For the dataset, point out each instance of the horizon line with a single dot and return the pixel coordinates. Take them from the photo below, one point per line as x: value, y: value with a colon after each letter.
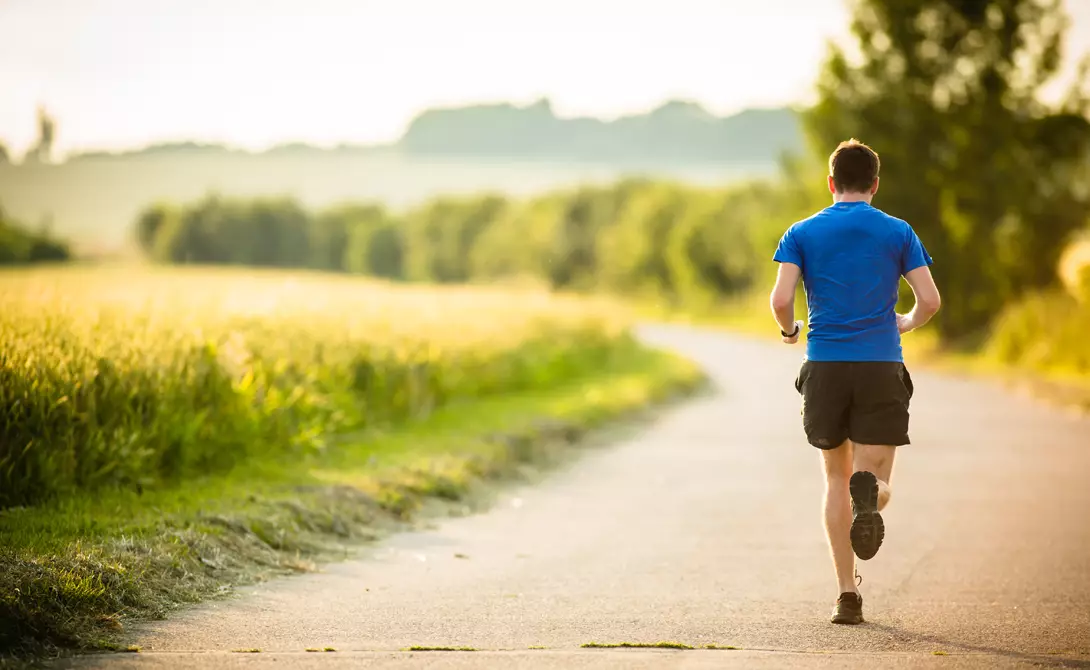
x: 197, y: 142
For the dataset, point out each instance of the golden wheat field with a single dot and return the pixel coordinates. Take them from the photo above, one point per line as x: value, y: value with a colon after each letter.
x: 136, y: 376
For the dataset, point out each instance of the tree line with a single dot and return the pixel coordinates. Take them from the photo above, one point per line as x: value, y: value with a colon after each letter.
x: 19, y: 245
x: 639, y: 237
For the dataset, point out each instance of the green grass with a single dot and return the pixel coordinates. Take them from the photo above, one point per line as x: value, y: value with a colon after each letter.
x: 652, y: 645
x: 440, y: 649
x: 636, y: 645
x: 75, y: 570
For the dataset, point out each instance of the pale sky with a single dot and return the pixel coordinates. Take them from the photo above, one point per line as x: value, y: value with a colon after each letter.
x: 252, y: 73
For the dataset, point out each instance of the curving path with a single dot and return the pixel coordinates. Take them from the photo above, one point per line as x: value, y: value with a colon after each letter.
x: 706, y: 529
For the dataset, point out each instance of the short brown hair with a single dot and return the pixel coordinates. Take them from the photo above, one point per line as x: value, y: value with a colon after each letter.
x: 854, y: 167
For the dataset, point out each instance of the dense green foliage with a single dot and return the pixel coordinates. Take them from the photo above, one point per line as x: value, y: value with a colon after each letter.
x: 994, y: 180
x: 1047, y: 330
x: 19, y: 246
x: 135, y: 379
x: 1044, y: 331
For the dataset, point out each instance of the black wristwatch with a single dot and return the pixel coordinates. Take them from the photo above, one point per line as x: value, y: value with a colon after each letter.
x: 797, y: 329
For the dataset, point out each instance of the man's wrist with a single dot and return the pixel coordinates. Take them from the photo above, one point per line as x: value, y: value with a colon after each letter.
x: 795, y: 330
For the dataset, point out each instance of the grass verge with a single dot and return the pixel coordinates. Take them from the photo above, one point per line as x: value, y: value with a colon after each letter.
x: 73, y: 572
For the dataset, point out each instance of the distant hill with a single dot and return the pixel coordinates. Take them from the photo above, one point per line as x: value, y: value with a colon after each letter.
x: 171, y: 150
x: 677, y: 131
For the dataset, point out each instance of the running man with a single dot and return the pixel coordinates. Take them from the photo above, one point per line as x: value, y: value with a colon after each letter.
x: 854, y: 385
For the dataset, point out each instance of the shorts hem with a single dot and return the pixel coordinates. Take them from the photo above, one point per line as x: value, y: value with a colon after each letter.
x: 902, y: 441
x: 825, y: 445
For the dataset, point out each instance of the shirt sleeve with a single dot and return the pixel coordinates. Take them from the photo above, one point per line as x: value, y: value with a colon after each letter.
x: 788, y: 250
x: 914, y: 255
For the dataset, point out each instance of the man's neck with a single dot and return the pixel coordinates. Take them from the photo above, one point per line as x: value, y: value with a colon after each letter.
x: 852, y: 197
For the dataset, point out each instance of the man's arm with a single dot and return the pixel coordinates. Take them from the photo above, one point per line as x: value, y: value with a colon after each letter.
x: 783, y: 299
x: 927, y: 300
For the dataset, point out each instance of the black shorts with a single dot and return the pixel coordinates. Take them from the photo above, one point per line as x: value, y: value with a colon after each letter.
x: 865, y: 401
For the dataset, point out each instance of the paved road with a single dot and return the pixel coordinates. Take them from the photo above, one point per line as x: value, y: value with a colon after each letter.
x: 706, y: 529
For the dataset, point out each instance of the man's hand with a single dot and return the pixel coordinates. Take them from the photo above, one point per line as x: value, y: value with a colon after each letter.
x: 794, y: 338
x: 904, y: 324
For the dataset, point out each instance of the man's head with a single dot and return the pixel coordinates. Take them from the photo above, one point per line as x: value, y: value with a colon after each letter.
x: 853, y: 171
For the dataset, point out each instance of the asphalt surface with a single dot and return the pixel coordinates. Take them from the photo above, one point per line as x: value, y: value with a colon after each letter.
x: 705, y: 528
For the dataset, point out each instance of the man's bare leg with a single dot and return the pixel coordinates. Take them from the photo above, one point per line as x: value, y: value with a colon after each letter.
x: 838, y: 513
x: 877, y: 459
x: 869, y: 491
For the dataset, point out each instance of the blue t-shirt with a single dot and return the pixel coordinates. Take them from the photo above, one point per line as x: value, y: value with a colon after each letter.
x: 852, y: 256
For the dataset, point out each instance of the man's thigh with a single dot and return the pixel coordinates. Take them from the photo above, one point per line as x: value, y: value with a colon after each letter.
x: 881, y: 393
x: 826, y: 390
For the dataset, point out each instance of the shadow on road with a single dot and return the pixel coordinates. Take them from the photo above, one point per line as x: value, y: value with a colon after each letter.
x: 1044, y: 660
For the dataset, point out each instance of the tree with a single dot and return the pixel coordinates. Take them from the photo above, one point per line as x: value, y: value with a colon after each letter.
x: 374, y: 241
x: 329, y: 239
x: 947, y: 92
x: 440, y: 235
x: 520, y: 243
x: 630, y: 257
x: 150, y: 222
x: 42, y: 152
x: 277, y: 229
x: 18, y: 245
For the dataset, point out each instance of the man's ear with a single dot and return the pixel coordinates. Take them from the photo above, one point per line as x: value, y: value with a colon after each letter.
x: 874, y: 186
x: 832, y: 186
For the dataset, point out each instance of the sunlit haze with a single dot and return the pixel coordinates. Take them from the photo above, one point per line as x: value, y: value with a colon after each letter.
x: 252, y: 73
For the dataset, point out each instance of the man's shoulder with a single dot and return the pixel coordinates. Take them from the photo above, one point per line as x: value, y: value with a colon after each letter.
x: 889, y: 218
x: 803, y: 224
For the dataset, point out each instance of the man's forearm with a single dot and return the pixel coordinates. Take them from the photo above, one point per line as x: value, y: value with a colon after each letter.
x: 785, y: 316
x: 782, y: 297
x: 918, y: 316
x: 928, y: 300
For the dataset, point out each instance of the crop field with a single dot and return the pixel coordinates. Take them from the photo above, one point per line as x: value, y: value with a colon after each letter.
x: 134, y: 378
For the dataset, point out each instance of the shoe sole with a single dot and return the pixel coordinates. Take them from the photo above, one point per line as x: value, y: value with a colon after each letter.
x: 868, y: 529
x: 848, y: 620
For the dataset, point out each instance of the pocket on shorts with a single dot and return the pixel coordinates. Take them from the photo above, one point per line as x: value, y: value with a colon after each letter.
x: 800, y: 378
x: 906, y: 379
